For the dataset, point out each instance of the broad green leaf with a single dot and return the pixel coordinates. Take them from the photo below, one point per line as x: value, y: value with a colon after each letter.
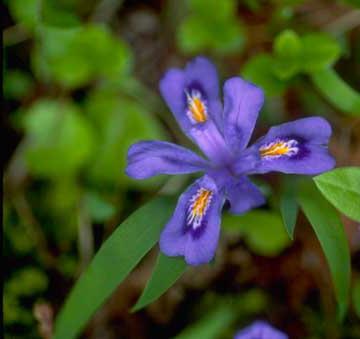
x: 166, y: 271
x: 341, y: 187
x: 215, y: 29
x: 287, y: 50
x: 259, y: 70
x: 119, y: 123
x: 98, y: 208
x: 59, y: 138
x: 211, y: 325
x: 225, y: 37
x: 263, y: 231
x: 331, y: 235
x: 319, y: 51
x: 340, y: 94
x: 356, y: 296
x: 73, y: 57
x: 119, y: 254
x: 26, y: 13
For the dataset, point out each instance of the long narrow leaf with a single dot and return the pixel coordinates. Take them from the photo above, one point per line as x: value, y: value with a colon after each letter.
x: 339, y: 93
x: 211, y: 325
x: 166, y: 271
x: 289, y: 211
x: 330, y: 232
x: 113, y: 262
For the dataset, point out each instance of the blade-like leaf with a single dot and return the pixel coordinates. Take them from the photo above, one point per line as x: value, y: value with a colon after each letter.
x: 339, y: 93
x: 113, y: 262
x: 330, y: 232
x: 211, y: 325
x: 289, y: 210
x: 166, y: 271
x: 341, y: 187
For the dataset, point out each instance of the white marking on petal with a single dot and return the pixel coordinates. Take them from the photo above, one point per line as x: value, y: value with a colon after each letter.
x: 199, y: 204
x: 197, y: 107
x: 279, y: 148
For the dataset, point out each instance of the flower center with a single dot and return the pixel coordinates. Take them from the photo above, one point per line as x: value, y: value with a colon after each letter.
x: 196, y: 106
x: 279, y: 148
x: 199, y: 204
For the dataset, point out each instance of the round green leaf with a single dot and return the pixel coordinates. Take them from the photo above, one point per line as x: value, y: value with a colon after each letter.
x: 59, y: 140
x: 259, y: 70
x: 341, y: 187
x: 263, y: 231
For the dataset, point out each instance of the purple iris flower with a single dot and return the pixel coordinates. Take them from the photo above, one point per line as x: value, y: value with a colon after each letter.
x: 222, y: 134
x: 260, y: 330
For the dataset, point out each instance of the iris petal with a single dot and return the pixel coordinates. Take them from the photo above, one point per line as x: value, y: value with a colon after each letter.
x: 260, y: 330
x: 194, y: 228
x: 242, y: 103
x: 243, y: 195
x: 297, y: 147
x: 149, y: 158
x: 193, y: 97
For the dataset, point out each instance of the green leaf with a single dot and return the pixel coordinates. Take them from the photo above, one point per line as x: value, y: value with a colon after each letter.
x: 166, y: 271
x: 260, y: 70
x: 119, y: 123
x: 289, y: 211
x: 320, y: 51
x: 330, y: 232
x: 287, y: 50
x: 211, y: 325
x: 288, y: 205
x: 223, y: 38
x: 73, y: 57
x: 26, y: 13
x: 340, y: 94
x: 263, y: 231
x: 59, y: 139
x: 341, y: 187
x: 119, y: 254
x: 98, y: 208
x: 215, y: 29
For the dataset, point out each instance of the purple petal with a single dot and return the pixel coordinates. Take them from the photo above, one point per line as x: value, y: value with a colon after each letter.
x: 295, y: 147
x: 260, y: 330
x: 193, y: 96
x: 194, y: 238
x: 148, y: 158
x: 199, y: 74
x: 243, y: 195
x: 242, y: 103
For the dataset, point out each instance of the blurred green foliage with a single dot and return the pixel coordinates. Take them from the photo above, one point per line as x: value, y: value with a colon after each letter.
x: 75, y: 104
x: 263, y: 231
x: 211, y: 25
x: 292, y: 55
